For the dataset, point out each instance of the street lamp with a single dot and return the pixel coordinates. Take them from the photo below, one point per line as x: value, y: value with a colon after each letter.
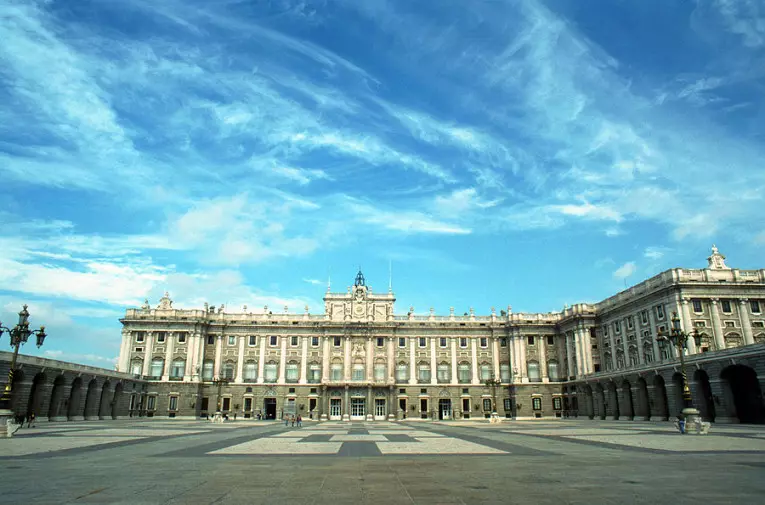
x: 19, y: 335
x: 679, y: 340
x: 493, y: 383
x: 220, y: 382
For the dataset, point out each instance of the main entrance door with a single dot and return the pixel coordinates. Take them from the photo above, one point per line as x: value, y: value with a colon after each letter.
x: 358, y: 409
x: 335, y: 409
x: 444, y: 408
x: 380, y: 410
x: 269, y: 407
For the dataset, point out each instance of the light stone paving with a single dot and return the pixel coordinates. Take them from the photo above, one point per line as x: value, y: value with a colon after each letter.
x: 265, y: 446
x: 37, y: 445
x: 680, y: 443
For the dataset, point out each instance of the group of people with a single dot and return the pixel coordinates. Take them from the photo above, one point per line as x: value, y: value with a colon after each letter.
x: 293, y: 419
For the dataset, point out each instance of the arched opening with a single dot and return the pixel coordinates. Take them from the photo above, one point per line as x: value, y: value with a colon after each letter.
x: 626, y: 406
x: 642, y: 407
x: 58, y: 400
x: 116, y: 407
x: 600, y: 402
x: 105, y: 404
x: 747, y: 395
x: 703, y: 397
x: 589, y: 402
x: 74, y: 412
x: 36, y: 395
x: 677, y: 394
x: 92, y: 400
x: 660, y: 410
x: 613, y: 402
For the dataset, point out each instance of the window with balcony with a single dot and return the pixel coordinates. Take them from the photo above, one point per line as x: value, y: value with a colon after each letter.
x: 336, y: 372
x: 423, y: 373
x: 504, y: 372
x: 402, y: 372
x: 228, y: 370
x: 357, y: 372
x: 533, y: 371
x: 553, y: 371
x: 250, y: 371
x: 463, y: 373
x: 314, y: 373
x: 443, y: 373
x: 486, y: 372
x: 270, y: 372
x: 177, y: 368
x: 207, y: 370
x: 291, y: 372
x: 136, y: 367
x: 157, y: 365
x: 379, y: 372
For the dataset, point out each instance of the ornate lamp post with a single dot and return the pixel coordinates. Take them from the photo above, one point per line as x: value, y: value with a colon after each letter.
x: 679, y: 340
x: 220, y: 382
x: 493, y: 383
x: 19, y: 335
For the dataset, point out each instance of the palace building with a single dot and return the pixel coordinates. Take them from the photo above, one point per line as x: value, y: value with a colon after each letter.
x: 360, y: 360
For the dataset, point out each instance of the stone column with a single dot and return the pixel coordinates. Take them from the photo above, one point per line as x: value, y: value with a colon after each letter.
x: 543, y: 359
x: 191, y: 357
x: 495, y: 357
x: 522, y: 370
x: 347, y: 360
x: 240, y: 361
x: 717, y: 324
x: 581, y: 353
x: 325, y: 354
x: 474, y: 359
x: 346, y: 404
x: 124, y: 362
x: 454, y: 379
x: 199, y: 357
x: 391, y: 359
x: 218, y: 351
x: 570, y: 355
x: 370, y: 359
x: 685, y: 316
x: 412, y: 363
x: 304, y: 361
x: 746, y: 324
x: 652, y: 330
x: 282, y: 359
x: 169, y: 347
x: 147, y: 355
x: 93, y: 402
x: 433, y: 362
x: 261, y: 357
x: 370, y: 404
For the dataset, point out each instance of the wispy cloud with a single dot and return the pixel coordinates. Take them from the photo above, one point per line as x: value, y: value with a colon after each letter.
x: 626, y: 270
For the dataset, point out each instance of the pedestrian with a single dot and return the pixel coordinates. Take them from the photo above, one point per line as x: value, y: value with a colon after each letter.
x: 234, y: 416
x: 286, y: 420
x: 300, y: 421
x: 31, y: 420
x: 293, y: 420
x: 681, y: 424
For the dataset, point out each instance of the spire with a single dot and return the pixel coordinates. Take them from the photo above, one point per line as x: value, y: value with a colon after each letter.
x: 390, y: 276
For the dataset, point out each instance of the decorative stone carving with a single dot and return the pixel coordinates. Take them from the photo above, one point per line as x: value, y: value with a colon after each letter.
x: 165, y: 303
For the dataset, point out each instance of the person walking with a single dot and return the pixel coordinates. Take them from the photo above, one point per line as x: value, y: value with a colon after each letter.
x: 300, y: 421
x: 287, y: 420
x: 31, y: 420
x: 293, y: 420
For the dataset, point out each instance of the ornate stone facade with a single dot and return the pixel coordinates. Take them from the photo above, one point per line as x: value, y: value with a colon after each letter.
x: 359, y: 360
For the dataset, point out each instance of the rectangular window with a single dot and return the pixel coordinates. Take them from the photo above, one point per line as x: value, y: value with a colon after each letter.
x: 336, y: 372
x: 557, y: 403
x: 442, y: 341
x: 173, y: 403
x: 151, y: 404
x: 463, y: 342
x: 550, y: 340
x: 401, y: 342
x: 531, y: 340
x: 486, y: 405
x: 336, y: 341
x: 401, y: 373
x: 630, y: 322
x: 508, y: 405
x: 210, y: 339
x: 758, y: 324
x: 379, y: 371
x: 273, y: 340
x: 755, y: 306
x: 726, y: 306
x: 660, y: 311
x: 730, y: 324
x: 422, y: 342
x: 139, y: 336
x: 293, y: 341
x: 644, y: 316
x: 503, y: 342
x: 536, y: 403
x: 314, y: 341
x: 484, y: 342
x: 700, y: 324
x: 605, y: 330
x: 380, y: 342
x: 253, y: 340
x: 231, y: 340
x: 617, y: 326
x: 181, y: 338
x: 161, y: 337
x: 697, y: 305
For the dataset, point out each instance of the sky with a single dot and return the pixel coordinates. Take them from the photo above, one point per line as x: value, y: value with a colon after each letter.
x: 484, y: 153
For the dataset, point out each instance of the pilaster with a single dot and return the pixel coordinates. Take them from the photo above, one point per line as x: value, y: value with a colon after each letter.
x: 746, y: 324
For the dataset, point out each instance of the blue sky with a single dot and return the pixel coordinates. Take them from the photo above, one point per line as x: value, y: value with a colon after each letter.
x: 495, y: 153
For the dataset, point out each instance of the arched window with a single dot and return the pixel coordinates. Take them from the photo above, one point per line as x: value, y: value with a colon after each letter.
x: 136, y: 367
x: 504, y: 372
x: 648, y: 352
x: 336, y: 371
x: 423, y: 373
x: 357, y: 373
x: 620, y: 360
x: 463, y: 373
x: 207, y: 370
x: 178, y: 368
x: 533, y: 370
x: 553, y: 370
x: 634, y: 356
x: 608, y: 363
x: 486, y: 372
x: 292, y: 372
x: 250, y: 372
x: 228, y: 370
x: 402, y: 372
x: 270, y: 372
x: 314, y: 373
x: 157, y: 365
x: 380, y: 372
x: 443, y: 373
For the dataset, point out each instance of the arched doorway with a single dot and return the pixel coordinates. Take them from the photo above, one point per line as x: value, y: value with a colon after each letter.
x: 703, y: 397
x: 613, y: 401
x: 36, y: 394
x: 677, y: 394
x: 92, y: 400
x: 74, y: 413
x: 661, y: 410
x: 58, y: 400
x: 116, y: 407
x: 747, y: 396
x: 105, y: 405
x: 642, y: 407
x: 626, y: 405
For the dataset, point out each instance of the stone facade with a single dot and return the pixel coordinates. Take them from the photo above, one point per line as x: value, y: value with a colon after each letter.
x: 359, y: 360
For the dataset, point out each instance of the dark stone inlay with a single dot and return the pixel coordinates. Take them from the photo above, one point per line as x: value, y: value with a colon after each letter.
x: 401, y: 438
x: 359, y: 449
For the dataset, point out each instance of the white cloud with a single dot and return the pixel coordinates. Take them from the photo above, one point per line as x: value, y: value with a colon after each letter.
x: 626, y: 270
x: 315, y: 282
x: 404, y: 221
x: 655, y: 252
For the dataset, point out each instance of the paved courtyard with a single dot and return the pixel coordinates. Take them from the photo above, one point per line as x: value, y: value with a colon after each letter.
x: 177, y: 461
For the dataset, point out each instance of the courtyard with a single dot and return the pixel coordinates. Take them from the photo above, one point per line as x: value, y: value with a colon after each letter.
x: 177, y: 461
